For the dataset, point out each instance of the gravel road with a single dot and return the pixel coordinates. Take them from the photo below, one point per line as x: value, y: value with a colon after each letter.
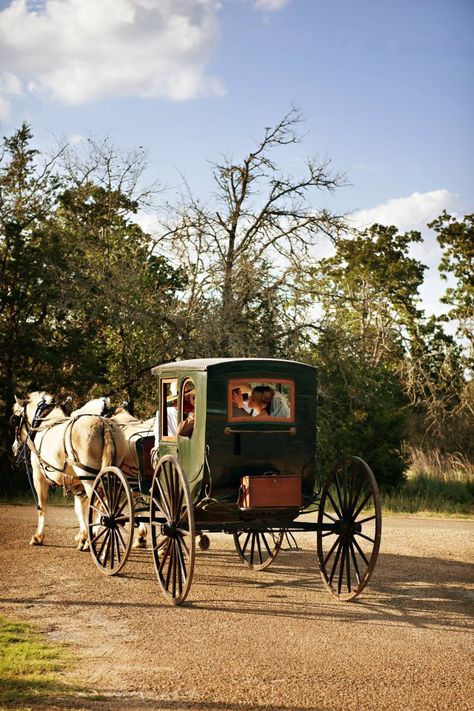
x: 268, y: 641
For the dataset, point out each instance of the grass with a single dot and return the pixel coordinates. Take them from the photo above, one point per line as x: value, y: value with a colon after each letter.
x: 30, y: 667
x: 436, y: 485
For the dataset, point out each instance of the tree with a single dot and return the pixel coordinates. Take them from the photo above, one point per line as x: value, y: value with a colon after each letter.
x: 123, y: 295
x: 456, y: 238
x: 244, y: 257
x: 367, y: 297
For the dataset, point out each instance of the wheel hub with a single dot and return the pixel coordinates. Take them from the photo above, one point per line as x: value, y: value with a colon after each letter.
x: 108, y: 521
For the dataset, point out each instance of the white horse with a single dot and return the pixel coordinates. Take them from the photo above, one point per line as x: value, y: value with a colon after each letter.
x: 63, y: 449
x: 133, y: 430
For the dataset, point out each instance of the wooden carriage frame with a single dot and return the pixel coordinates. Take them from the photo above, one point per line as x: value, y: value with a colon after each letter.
x: 235, y: 473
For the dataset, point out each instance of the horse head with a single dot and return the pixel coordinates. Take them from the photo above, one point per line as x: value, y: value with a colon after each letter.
x: 28, y: 413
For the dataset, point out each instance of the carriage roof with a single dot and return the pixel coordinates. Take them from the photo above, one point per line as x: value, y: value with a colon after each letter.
x: 209, y: 363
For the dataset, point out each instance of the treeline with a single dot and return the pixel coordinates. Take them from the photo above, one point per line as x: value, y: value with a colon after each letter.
x: 89, y: 300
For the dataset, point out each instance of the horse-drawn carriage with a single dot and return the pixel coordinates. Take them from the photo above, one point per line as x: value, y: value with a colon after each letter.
x: 235, y: 451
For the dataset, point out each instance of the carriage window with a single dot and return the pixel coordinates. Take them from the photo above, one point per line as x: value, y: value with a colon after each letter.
x: 188, y: 401
x: 169, y: 408
x: 261, y: 399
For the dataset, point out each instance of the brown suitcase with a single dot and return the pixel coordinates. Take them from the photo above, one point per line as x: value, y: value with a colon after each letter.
x: 270, y: 491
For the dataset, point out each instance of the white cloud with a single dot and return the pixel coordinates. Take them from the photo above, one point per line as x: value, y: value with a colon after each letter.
x: 82, y: 50
x: 10, y: 86
x: 414, y: 213
x: 409, y: 213
x: 270, y: 5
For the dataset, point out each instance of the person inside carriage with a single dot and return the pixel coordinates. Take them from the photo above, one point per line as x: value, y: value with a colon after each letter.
x: 186, y: 427
x: 263, y: 401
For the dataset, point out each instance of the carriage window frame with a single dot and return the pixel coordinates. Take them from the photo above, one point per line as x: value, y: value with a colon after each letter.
x: 269, y: 380
x: 164, y: 409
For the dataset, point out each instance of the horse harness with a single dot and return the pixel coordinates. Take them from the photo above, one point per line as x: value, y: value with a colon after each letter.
x: 38, y: 425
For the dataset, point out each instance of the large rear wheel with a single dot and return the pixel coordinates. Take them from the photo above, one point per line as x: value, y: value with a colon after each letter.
x: 110, y: 520
x: 172, y: 530
x: 350, y: 505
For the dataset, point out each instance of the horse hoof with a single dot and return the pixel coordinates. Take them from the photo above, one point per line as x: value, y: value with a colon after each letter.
x: 139, y: 543
x: 36, y: 541
x: 203, y: 542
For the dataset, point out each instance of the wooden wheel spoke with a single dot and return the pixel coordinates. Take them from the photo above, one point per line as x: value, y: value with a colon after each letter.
x: 166, y: 553
x: 244, y: 547
x: 341, y: 567
x: 336, y: 559
x: 361, y: 506
x: 362, y: 535
x: 366, y: 520
x: 106, y: 545
x: 331, y: 518
x: 163, y: 504
x: 361, y: 552
x: 178, y: 509
x: 348, y: 567
x: 252, y: 547
x: 106, y: 508
x: 354, y: 562
x: 259, y: 548
x: 182, y: 543
x: 338, y: 491
x: 119, y: 536
x: 99, y: 535
x: 181, y: 559
x: 335, y: 507
x: 117, y: 545
x: 264, y: 539
x: 356, y: 495
x: 118, y: 509
x: 331, y: 550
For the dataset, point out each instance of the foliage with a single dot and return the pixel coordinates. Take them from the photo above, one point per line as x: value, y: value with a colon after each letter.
x: 457, y: 241
x: 367, y: 295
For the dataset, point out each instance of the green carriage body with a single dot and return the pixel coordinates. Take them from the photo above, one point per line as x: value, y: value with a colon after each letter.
x: 223, y: 449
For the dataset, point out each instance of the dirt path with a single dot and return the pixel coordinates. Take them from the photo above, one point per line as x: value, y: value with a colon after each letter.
x: 274, y: 640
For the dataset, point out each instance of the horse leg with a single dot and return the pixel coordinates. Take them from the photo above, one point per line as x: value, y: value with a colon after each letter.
x: 41, y: 485
x: 80, y: 507
x: 140, y: 538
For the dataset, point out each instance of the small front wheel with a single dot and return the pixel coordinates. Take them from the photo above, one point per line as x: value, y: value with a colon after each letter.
x: 172, y: 530
x: 258, y: 549
x: 351, y: 523
x: 110, y: 520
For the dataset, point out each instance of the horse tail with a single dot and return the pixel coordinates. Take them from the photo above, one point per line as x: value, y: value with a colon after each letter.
x: 108, y: 453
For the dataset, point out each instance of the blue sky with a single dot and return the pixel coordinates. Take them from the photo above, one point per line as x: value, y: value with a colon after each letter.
x: 386, y: 88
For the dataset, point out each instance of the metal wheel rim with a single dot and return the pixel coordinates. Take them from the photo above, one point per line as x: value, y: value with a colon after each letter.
x: 347, y: 558
x: 110, y: 521
x: 258, y: 549
x: 172, y: 530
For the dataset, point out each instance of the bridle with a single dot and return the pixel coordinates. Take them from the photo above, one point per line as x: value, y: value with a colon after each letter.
x: 43, y: 409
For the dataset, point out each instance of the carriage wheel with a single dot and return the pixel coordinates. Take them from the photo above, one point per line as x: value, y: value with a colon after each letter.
x: 347, y: 555
x: 258, y: 549
x: 110, y: 520
x: 172, y: 530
